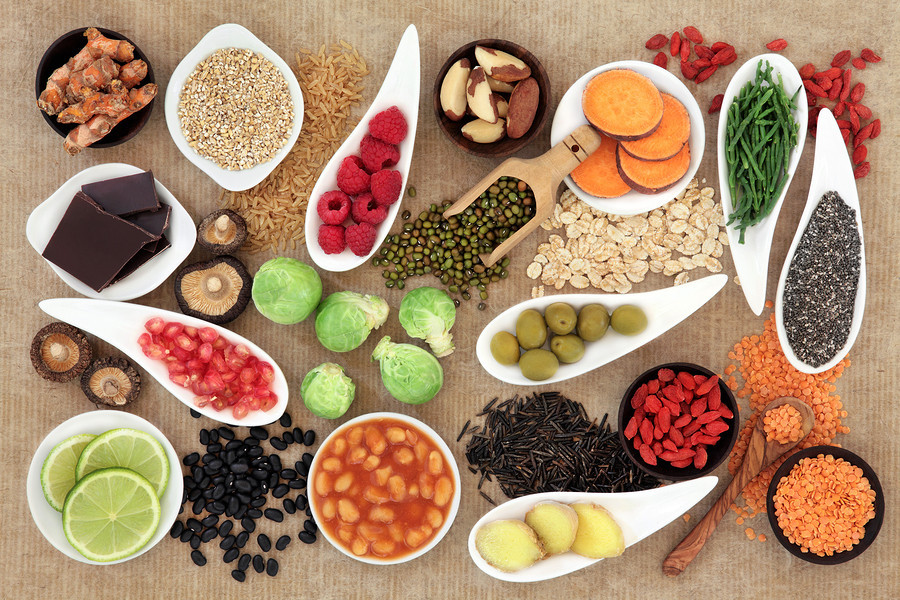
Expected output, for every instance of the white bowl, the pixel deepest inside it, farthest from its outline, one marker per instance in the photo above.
(639, 514)
(448, 459)
(218, 38)
(832, 171)
(49, 521)
(751, 259)
(121, 323)
(182, 234)
(570, 115)
(400, 89)
(665, 308)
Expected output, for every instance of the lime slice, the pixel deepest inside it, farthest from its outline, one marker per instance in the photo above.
(110, 514)
(58, 472)
(129, 448)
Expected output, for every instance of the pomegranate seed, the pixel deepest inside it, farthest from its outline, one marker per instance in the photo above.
(172, 330)
(176, 367)
(220, 343)
(155, 325)
(218, 361)
(181, 354)
(186, 343)
(213, 381)
(154, 351)
(253, 402)
(205, 352)
(229, 376)
(144, 339)
(266, 371)
(198, 388)
(240, 410)
(248, 375)
(191, 331)
(218, 403)
(208, 334)
(268, 402)
(180, 379)
(201, 401)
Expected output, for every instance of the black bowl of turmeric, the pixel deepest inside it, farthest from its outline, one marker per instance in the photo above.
(95, 88)
(825, 505)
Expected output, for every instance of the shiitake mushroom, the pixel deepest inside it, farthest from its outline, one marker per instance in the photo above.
(111, 382)
(60, 352)
(217, 290)
(222, 232)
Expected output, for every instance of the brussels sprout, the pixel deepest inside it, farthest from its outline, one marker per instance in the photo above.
(286, 290)
(409, 373)
(344, 319)
(428, 313)
(327, 392)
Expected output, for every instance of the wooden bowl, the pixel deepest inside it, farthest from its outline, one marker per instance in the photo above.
(507, 145)
(872, 527)
(715, 453)
(64, 48)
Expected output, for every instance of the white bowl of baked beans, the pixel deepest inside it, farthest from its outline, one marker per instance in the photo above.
(384, 488)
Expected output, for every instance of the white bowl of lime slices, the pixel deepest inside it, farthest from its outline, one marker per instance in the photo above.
(144, 493)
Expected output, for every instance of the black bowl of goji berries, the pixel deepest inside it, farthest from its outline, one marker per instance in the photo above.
(678, 421)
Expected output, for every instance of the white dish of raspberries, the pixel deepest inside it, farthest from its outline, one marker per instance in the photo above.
(357, 196)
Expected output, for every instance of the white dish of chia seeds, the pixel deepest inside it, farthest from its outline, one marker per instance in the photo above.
(832, 171)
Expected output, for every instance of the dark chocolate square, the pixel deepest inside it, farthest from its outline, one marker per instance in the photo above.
(149, 250)
(154, 222)
(124, 196)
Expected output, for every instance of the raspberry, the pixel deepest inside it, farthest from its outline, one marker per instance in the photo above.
(333, 207)
(361, 238)
(331, 239)
(389, 126)
(366, 210)
(386, 186)
(376, 154)
(351, 177)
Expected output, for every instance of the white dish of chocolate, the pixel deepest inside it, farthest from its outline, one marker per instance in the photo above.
(822, 289)
(112, 244)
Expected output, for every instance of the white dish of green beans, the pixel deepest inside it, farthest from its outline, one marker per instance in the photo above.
(757, 160)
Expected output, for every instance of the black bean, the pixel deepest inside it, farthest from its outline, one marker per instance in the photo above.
(244, 498)
(194, 525)
(233, 445)
(213, 436)
(309, 438)
(189, 482)
(239, 576)
(283, 542)
(273, 480)
(198, 558)
(298, 466)
(263, 487)
(218, 479)
(210, 520)
(310, 526)
(273, 514)
(198, 506)
(298, 435)
(241, 539)
(248, 524)
(194, 493)
(227, 542)
(215, 465)
(216, 507)
(225, 432)
(285, 420)
(278, 443)
(240, 512)
(287, 437)
(288, 474)
(255, 451)
(195, 414)
(275, 461)
(207, 493)
(259, 563)
(289, 506)
(281, 490)
(239, 467)
(197, 473)
(186, 535)
(177, 528)
(259, 474)
(215, 448)
(243, 486)
(259, 433)
(244, 562)
(208, 534)
(195, 541)
(307, 458)
(225, 528)
(257, 502)
(271, 567)
(229, 480)
(204, 483)
(251, 441)
(297, 484)
(218, 492)
(233, 504)
(191, 459)
(301, 502)
(254, 513)
(208, 458)
(265, 544)
(204, 436)
(306, 537)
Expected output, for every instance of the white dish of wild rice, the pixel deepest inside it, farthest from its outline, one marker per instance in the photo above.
(236, 139)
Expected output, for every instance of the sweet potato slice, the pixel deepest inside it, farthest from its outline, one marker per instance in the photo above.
(673, 132)
(652, 176)
(622, 104)
(599, 175)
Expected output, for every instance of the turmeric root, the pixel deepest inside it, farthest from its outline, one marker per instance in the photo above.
(53, 98)
(99, 45)
(133, 73)
(98, 103)
(89, 80)
(99, 125)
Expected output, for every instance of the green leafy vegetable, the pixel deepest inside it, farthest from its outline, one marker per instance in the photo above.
(286, 290)
(409, 373)
(327, 392)
(428, 313)
(344, 319)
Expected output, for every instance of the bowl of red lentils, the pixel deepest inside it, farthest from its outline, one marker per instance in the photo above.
(825, 505)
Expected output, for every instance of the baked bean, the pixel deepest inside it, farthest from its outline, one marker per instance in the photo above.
(343, 482)
(404, 456)
(383, 547)
(382, 474)
(397, 488)
(371, 463)
(435, 463)
(347, 511)
(382, 514)
(332, 465)
(340, 446)
(414, 490)
(434, 517)
(346, 533)
(415, 538)
(395, 530)
(376, 495)
(359, 546)
(357, 455)
(411, 437)
(395, 435)
(426, 486)
(323, 484)
(370, 531)
(329, 508)
(355, 436)
(421, 449)
(375, 441)
(443, 490)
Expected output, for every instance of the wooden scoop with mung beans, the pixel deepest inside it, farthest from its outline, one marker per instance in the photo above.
(761, 452)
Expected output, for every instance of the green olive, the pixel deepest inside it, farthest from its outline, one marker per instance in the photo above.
(560, 318)
(567, 348)
(505, 348)
(593, 321)
(628, 320)
(538, 364)
(531, 330)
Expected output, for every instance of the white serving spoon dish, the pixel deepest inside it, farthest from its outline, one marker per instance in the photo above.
(401, 89)
(569, 115)
(229, 35)
(182, 234)
(751, 259)
(121, 323)
(665, 308)
(832, 171)
(49, 521)
(639, 514)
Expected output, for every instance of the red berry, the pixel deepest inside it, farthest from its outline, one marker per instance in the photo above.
(361, 238)
(376, 154)
(155, 325)
(352, 177)
(389, 126)
(366, 210)
(386, 186)
(333, 207)
(331, 239)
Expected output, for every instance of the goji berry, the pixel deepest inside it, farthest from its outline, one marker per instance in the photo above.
(693, 34)
(653, 386)
(698, 406)
(869, 56)
(703, 51)
(673, 393)
(657, 434)
(832, 73)
(719, 46)
(807, 71)
(714, 398)
(810, 99)
(700, 458)
(859, 154)
(688, 395)
(686, 380)
(841, 58)
(680, 464)
(666, 375)
(863, 168)
(845, 133)
(669, 445)
(675, 436)
(681, 421)
(777, 45)
(675, 45)
(863, 111)
(876, 126)
(862, 136)
(656, 42)
(657, 447)
(836, 88)
(701, 63)
(652, 404)
(716, 104)
(708, 385)
(814, 89)
(664, 419)
(631, 428)
(717, 427)
(640, 395)
(843, 123)
(699, 379)
(814, 115)
(674, 407)
(822, 81)
(637, 443)
(858, 63)
(661, 60)
(845, 90)
(647, 455)
(708, 439)
(854, 120)
(709, 417)
(646, 431)
(695, 436)
(857, 93)
(706, 74)
(685, 51)
(725, 412)
(678, 455)
(839, 109)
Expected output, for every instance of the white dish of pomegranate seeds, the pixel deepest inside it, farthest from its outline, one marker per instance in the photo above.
(122, 324)
(400, 89)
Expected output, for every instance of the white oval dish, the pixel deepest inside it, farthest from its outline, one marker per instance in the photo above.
(121, 323)
(401, 89)
(832, 171)
(751, 259)
(448, 458)
(182, 234)
(665, 308)
(229, 35)
(49, 521)
(570, 115)
(639, 514)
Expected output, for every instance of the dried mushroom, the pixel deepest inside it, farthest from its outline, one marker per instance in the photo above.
(222, 232)
(217, 290)
(60, 352)
(111, 382)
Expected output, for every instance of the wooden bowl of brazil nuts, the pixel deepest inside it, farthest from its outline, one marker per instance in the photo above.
(506, 145)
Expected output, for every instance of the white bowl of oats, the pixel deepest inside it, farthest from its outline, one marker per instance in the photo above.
(234, 107)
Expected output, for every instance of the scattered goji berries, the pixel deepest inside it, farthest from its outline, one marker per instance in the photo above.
(869, 56)
(693, 34)
(656, 42)
(690, 41)
(661, 60)
(777, 45)
(840, 59)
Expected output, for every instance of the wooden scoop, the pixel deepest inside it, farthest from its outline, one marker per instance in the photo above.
(543, 175)
(760, 454)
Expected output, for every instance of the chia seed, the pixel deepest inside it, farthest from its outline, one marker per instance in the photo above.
(820, 288)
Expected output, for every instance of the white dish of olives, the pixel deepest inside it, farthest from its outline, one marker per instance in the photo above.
(663, 309)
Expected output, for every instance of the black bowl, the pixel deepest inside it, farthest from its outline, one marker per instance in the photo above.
(64, 48)
(715, 453)
(872, 527)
